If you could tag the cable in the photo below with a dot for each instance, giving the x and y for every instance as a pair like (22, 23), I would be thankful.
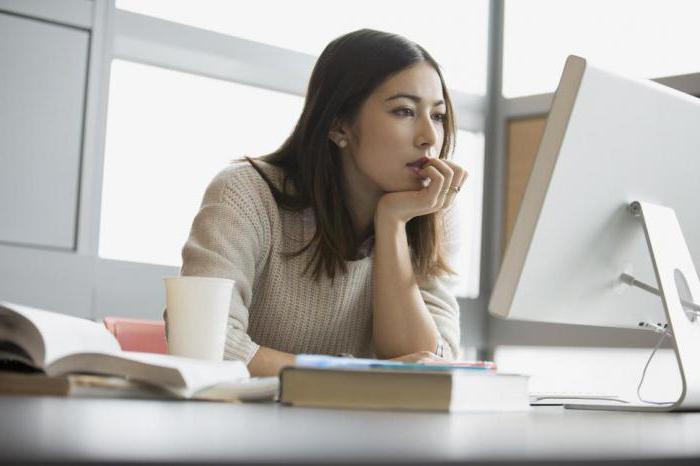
(664, 332)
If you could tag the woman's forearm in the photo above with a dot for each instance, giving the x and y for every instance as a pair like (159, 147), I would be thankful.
(268, 362)
(402, 322)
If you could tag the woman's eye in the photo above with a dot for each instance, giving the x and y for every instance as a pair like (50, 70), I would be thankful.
(440, 117)
(404, 111)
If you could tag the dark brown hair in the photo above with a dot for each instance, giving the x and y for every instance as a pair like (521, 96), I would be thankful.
(349, 69)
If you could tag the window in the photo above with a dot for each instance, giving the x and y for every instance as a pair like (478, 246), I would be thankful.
(168, 134)
(644, 39)
(454, 32)
(469, 153)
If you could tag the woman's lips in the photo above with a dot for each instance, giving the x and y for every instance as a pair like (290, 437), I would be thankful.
(419, 162)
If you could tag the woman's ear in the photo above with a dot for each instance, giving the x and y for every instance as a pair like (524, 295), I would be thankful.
(337, 137)
(339, 134)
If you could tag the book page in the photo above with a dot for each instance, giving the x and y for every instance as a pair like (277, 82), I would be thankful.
(182, 376)
(197, 374)
(19, 339)
(252, 389)
(63, 334)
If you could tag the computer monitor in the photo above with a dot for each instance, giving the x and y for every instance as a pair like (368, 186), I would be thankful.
(596, 236)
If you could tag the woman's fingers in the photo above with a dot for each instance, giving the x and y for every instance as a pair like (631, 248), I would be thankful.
(437, 195)
(445, 169)
(436, 181)
(421, 357)
(460, 174)
(441, 193)
(458, 180)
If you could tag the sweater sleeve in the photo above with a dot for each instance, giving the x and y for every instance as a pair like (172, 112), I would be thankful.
(230, 238)
(439, 296)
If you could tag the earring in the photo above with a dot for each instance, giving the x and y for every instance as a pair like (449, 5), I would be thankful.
(342, 143)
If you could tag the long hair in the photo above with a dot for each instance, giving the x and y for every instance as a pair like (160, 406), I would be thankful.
(349, 69)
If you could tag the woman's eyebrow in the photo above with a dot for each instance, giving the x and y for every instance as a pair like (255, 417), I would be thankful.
(414, 98)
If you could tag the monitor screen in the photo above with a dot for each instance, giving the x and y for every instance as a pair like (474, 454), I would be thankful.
(608, 141)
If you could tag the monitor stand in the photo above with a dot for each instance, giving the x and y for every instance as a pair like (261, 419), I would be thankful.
(677, 280)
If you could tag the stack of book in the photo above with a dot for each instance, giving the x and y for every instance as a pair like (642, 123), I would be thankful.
(47, 353)
(327, 381)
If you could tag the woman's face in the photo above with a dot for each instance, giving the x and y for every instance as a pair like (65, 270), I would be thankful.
(399, 123)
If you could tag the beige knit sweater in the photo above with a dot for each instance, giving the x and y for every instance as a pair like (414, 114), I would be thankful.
(240, 233)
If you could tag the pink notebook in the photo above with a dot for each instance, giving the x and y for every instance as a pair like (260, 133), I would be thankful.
(147, 336)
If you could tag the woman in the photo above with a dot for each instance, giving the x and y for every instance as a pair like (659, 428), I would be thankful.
(337, 240)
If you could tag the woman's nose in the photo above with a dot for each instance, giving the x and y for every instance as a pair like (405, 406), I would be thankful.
(427, 136)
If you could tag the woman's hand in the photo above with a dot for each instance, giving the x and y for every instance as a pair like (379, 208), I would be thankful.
(403, 206)
(425, 357)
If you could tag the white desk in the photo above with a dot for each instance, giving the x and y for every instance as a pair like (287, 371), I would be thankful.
(118, 431)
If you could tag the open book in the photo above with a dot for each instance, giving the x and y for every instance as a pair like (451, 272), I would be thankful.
(59, 344)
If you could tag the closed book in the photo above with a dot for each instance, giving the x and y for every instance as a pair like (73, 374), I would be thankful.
(410, 389)
(76, 385)
(60, 345)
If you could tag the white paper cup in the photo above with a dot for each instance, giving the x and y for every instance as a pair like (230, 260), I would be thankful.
(197, 316)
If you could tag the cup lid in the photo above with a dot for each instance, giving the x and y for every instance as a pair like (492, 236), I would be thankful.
(198, 278)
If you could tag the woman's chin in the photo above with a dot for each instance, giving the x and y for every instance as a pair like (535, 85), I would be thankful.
(414, 185)
(411, 182)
